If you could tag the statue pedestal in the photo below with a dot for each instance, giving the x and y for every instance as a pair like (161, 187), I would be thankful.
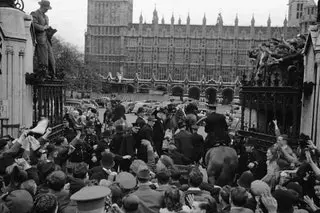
(16, 59)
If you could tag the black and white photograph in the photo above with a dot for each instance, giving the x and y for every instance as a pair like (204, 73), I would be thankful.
(159, 106)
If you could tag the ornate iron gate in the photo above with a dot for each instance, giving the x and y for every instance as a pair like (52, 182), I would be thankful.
(274, 95)
(48, 99)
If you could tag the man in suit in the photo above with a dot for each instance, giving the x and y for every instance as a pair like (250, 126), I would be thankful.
(105, 170)
(44, 52)
(252, 160)
(159, 129)
(150, 200)
(145, 133)
(183, 141)
(140, 122)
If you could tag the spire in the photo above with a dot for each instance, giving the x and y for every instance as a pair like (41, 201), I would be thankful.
(141, 18)
(155, 19)
(155, 12)
(188, 19)
(220, 19)
(204, 20)
(252, 20)
(172, 19)
(285, 22)
(179, 20)
(269, 21)
(236, 21)
(162, 20)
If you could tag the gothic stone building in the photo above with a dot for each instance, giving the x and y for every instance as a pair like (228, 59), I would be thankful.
(179, 58)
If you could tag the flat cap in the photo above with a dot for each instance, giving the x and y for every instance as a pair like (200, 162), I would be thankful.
(126, 180)
(91, 198)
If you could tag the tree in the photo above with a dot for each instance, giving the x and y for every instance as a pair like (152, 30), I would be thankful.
(70, 64)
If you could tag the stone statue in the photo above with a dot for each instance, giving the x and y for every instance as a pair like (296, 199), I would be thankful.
(44, 34)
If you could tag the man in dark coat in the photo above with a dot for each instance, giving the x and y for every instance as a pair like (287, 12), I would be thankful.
(198, 143)
(159, 130)
(183, 141)
(252, 160)
(123, 146)
(118, 112)
(145, 133)
(140, 122)
(104, 171)
(216, 128)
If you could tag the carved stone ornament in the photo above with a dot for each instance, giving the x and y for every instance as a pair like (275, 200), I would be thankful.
(170, 78)
(203, 80)
(186, 80)
(136, 78)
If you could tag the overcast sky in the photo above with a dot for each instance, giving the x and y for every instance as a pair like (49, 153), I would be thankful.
(70, 16)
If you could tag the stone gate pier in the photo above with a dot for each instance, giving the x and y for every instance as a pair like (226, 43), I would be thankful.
(16, 59)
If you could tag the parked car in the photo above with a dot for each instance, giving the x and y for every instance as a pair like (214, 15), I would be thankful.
(74, 103)
(102, 102)
(89, 104)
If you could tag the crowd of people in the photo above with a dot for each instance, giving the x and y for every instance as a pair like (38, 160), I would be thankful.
(156, 164)
(285, 54)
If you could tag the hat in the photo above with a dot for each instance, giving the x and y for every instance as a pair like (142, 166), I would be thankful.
(45, 4)
(212, 106)
(80, 169)
(295, 187)
(107, 160)
(19, 201)
(105, 183)
(134, 167)
(246, 179)
(41, 127)
(163, 173)
(152, 118)
(131, 203)
(3, 143)
(143, 173)
(258, 187)
(285, 200)
(126, 180)
(140, 110)
(120, 125)
(250, 142)
(91, 198)
(166, 160)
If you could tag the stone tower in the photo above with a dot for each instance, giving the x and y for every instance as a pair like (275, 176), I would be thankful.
(309, 16)
(107, 23)
(296, 12)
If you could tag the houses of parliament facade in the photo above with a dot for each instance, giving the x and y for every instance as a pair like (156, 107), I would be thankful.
(175, 57)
